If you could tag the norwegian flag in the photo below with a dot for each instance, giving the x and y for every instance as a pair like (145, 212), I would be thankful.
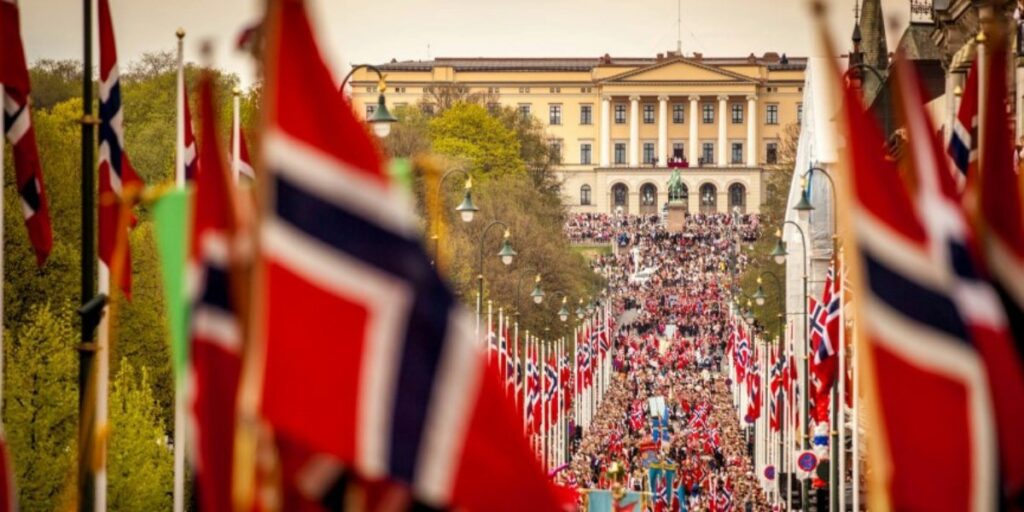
(775, 389)
(963, 143)
(115, 170)
(191, 156)
(368, 358)
(19, 131)
(661, 493)
(1001, 213)
(754, 393)
(826, 360)
(565, 380)
(551, 390)
(533, 393)
(932, 325)
(216, 330)
(511, 373)
(519, 382)
(723, 499)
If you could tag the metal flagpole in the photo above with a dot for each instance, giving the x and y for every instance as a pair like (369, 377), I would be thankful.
(3, 148)
(543, 406)
(180, 436)
(179, 154)
(521, 374)
(577, 412)
(236, 127)
(559, 444)
(855, 424)
(86, 352)
(841, 402)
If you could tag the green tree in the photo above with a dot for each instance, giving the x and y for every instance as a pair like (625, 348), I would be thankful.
(468, 132)
(40, 405)
(140, 463)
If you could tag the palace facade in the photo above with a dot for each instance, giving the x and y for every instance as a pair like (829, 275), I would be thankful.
(621, 126)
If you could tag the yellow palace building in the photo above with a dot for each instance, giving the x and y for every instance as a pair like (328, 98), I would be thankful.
(621, 126)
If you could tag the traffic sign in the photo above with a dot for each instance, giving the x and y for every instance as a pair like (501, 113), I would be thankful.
(769, 472)
(807, 461)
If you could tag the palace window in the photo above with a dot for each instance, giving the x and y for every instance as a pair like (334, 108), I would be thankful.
(737, 152)
(555, 90)
(555, 114)
(524, 110)
(585, 152)
(524, 90)
(427, 108)
(585, 195)
(648, 152)
(737, 113)
(678, 151)
(678, 113)
(586, 114)
(648, 114)
(772, 153)
(708, 153)
(493, 108)
(585, 90)
(620, 113)
(620, 153)
(708, 113)
(799, 113)
(773, 114)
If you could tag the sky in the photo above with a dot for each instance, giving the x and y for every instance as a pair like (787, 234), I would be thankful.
(358, 31)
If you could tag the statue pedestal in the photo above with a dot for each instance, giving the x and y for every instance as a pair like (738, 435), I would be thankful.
(676, 216)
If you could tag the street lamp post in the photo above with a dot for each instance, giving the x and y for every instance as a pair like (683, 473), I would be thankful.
(381, 120)
(780, 254)
(507, 254)
(466, 209)
(804, 207)
(759, 298)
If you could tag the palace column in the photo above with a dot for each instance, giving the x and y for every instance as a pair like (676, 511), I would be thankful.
(663, 130)
(723, 152)
(634, 131)
(606, 137)
(694, 155)
(752, 130)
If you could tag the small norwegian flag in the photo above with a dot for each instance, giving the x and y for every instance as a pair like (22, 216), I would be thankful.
(19, 131)
(115, 170)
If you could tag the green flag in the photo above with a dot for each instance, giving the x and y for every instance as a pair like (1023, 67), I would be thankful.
(173, 216)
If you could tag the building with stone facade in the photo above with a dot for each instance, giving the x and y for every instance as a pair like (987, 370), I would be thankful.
(622, 125)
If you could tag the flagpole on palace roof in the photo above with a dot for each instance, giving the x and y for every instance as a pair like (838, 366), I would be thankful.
(236, 128)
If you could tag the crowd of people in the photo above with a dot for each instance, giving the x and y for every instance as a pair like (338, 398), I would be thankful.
(669, 296)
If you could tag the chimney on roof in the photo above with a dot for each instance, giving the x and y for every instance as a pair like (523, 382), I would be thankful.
(752, 59)
(606, 59)
(698, 56)
(784, 60)
(661, 57)
(771, 57)
(393, 60)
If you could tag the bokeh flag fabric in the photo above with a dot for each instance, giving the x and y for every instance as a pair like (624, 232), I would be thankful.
(216, 327)
(369, 359)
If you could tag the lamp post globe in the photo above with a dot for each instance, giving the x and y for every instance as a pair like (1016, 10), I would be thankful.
(537, 294)
(779, 252)
(381, 120)
(759, 296)
(467, 209)
(507, 253)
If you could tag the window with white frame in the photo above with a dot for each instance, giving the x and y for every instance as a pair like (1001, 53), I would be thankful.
(586, 114)
(707, 155)
(585, 153)
(772, 115)
(620, 153)
(737, 113)
(737, 153)
(555, 114)
(678, 113)
(648, 113)
(620, 113)
(708, 113)
(648, 152)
